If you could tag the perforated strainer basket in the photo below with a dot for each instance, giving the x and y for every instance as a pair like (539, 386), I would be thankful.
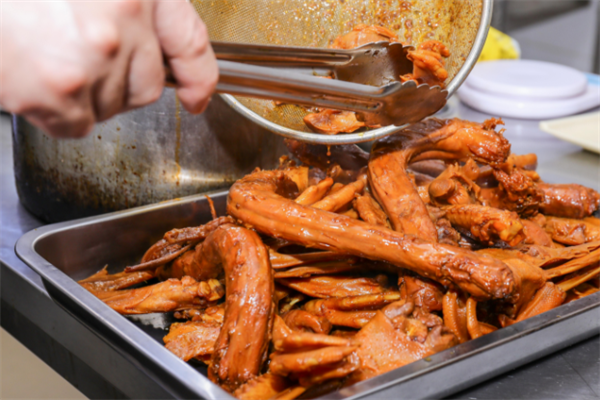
(462, 25)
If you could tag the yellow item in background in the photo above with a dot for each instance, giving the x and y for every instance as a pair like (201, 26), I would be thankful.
(499, 46)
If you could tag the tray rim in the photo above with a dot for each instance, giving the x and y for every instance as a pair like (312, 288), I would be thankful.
(25, 250)
(196, 382)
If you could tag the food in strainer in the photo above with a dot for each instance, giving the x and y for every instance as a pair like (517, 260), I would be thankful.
(428, 68)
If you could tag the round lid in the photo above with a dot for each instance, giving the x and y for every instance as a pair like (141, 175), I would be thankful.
(527, 78)
(528, 108)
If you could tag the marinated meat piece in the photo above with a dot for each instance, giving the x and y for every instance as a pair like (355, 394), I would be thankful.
(330, 268)
(448, 191)
(296, 177)
(446, 233)
(192, 339)
(238, 252)
(315, 193)
(363, 34)
(370, 211)
(383, 347)
(516, 192)
(532, 279)
(102, 281)
(487, 224)
(342, 197)
(303, 321)
(189, 234)
(569, 201)
(353, 312)
(350, 319)
(241, 348)
(455, 316)
(428, 64)
(455, 185)
(585, 289)
(535, 234)
(336, 286)
(423, 192)
(548, 257)
(526, 162)
(450, 140)
(572, 231)
(170, 295)
(312, 358)
(332, 122)
(383, 344)
(424, 293)
(592, 220)
(547, 298)
(352, 303)
(280, 261)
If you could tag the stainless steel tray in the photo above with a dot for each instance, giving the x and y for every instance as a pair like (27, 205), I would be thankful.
(65, 252)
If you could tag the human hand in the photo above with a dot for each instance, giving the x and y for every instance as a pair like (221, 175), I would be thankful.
(68, 64)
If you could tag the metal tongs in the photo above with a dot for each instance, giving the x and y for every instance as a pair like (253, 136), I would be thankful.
(366, 79)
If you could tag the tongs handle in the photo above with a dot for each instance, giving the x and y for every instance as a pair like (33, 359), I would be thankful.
(281, 56)
(294, 88)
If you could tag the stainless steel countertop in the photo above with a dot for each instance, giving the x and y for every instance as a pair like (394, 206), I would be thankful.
(99, 371)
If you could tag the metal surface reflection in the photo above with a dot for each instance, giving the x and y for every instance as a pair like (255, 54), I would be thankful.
(153, 154)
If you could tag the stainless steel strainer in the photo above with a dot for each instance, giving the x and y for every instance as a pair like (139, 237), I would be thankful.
(462, 25)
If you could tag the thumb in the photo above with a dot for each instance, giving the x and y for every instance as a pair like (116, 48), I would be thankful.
(184, 41)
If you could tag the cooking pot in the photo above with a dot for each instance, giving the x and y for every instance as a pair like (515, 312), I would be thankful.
(152, 154)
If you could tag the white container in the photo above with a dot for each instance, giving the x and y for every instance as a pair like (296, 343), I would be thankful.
(529, 89)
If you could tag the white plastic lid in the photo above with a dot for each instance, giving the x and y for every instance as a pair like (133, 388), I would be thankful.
(527, 79)
(528, 108)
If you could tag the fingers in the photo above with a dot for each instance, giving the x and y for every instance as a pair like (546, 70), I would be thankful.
(58, 125)
(62, 108)
(38, 79)
(146, 73)
(67, 65)
(185, 43)
(104, 49)
(125, 54)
